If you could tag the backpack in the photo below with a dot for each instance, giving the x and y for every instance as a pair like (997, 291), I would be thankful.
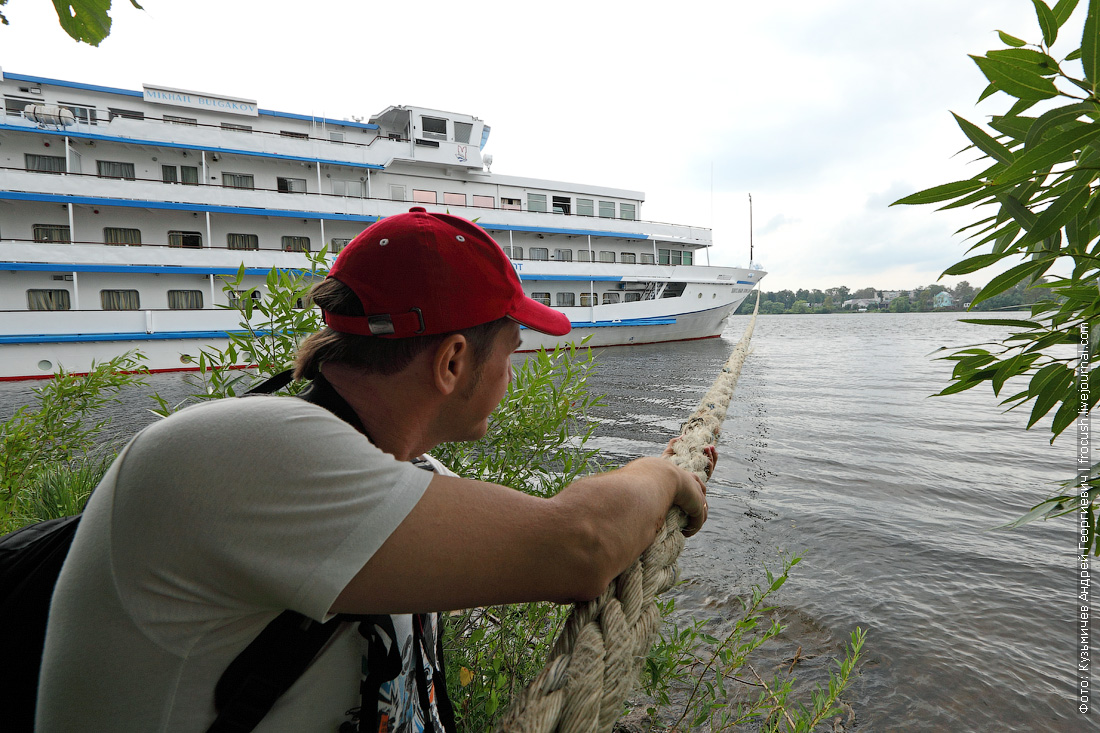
(30, 563)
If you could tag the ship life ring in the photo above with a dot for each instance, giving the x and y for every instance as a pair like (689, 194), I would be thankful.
(49, 114)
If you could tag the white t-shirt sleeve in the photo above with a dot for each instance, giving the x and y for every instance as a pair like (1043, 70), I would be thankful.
(250, 506)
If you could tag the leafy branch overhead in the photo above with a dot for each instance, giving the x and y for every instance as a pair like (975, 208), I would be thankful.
(83, 20)
(1042, 161)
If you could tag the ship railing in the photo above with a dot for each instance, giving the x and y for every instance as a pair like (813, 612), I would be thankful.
(672, 232)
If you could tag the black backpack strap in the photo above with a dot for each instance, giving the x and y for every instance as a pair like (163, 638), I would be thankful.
(443, 700)
(266, 669)
(383, 665)
(272, 384)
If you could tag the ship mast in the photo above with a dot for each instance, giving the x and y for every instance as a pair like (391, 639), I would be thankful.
(750, 229)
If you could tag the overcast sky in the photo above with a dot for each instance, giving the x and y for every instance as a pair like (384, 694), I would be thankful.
(824, 110)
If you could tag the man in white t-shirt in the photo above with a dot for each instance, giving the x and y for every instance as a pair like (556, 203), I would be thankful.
(213, 522)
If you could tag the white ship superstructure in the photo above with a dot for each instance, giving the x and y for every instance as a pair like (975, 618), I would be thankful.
(120, 210)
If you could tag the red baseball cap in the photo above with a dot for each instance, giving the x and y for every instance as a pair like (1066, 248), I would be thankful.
(418, 274)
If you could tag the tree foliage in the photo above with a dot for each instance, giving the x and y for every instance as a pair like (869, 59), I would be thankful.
(1042, 161)
(87, 21)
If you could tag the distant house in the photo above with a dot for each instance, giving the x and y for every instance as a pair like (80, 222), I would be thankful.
(890, 295)
(943, 300)
(859, 303)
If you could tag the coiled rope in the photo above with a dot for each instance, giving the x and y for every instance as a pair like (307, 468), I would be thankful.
(597, 658)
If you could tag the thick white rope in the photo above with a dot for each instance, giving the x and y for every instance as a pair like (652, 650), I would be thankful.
(597, 659)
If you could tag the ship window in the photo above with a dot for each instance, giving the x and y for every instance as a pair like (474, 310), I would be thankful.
(484, 202)
(607, 209)
(588, 299)
(631, 297)
(169, 174)
(563, 255)
(583, 255)
(234, 297)
(338, 244)
(121, 235)
(295, 244)
(185, 300)
(536, 202)
(463, 131)
(454, 199)
(242, 241)
(191, 240)
(688, 258)
(538, 253)
(424, 197)
(677, 257)
(561, 204)
(434, 127)
(129, 114)
(175, 120)
(511, 204)
(291, 185)
(628, 258)
(606, 256)
(543, 298)
(397, 193)
(52, 233)
(664, 256)
(674, 290)
(296, 135)
(348, 188)
(584, 207)
(647, 258)
(114, 169)
(234, 127)
(626, 211)
(238, 180)
(48, 300)
(189, 174)
(567, 300)
(610, 298)
(44, 163)
(119, 300)
(81, 113)
(516, 253)
(336, 137)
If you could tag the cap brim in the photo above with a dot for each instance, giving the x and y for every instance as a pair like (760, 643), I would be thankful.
(539, 317)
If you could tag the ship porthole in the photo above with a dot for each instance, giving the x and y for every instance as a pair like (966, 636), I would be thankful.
(700, 295)
(45, 365)
(186, 358)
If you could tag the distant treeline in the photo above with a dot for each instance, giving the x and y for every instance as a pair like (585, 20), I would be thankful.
(933, 297)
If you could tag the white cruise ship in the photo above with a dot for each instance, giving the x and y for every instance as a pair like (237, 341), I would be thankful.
(120, 210)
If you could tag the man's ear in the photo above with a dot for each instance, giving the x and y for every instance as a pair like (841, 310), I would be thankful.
(450, 363)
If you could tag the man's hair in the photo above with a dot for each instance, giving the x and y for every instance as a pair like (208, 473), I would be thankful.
(372, 354)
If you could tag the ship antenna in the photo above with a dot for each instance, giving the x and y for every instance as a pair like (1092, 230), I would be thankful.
(750, 229)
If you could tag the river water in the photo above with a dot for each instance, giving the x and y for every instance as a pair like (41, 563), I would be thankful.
(834, 449)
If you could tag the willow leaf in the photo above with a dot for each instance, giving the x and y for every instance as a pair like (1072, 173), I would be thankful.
(1023, 216)
(1011, 40)
(1058, 148)
(1011, 322)
(1021, 83)
(940, 193)
(1015, 127)
(1008, 279)
(1062, 10)
(1055, 118)
(1028, 59)
(1046, 21)
(983, 141)
(1060, 213)
(1090, 39)
(973, 264)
